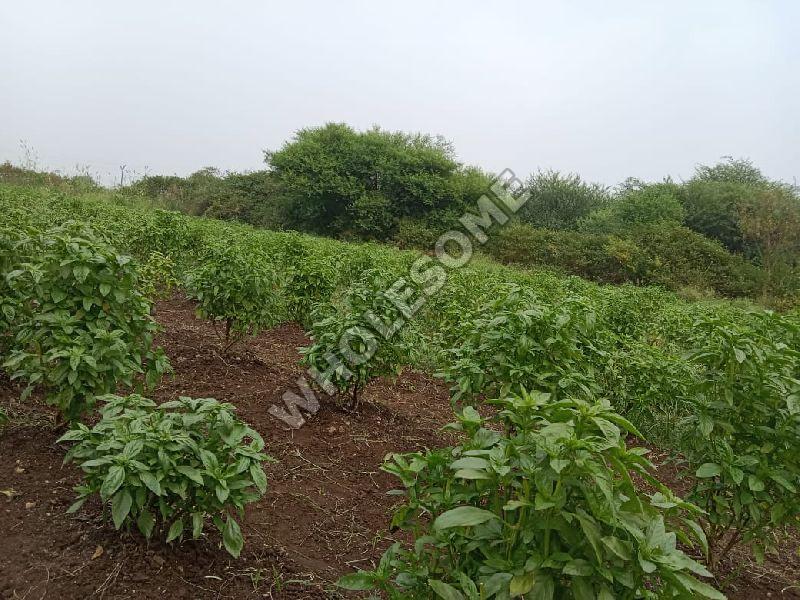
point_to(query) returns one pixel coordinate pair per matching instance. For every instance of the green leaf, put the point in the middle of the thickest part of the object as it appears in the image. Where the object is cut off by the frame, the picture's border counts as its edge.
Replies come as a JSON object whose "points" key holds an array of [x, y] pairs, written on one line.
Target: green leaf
{"points": [[73, 435], [755, 484], [191, 473], [463, 516], [259, 477], [708, 470], [120, 507], [197, 524], [77, 505], [444, 590], [521, 584], [145, 523], [232, 537], [471, 474], [617, 546], [175, 531], [699, 534], [112, 481], [222, 493], [104, 289], [544, 589], [695, 585], [578, 568], [151, 481], [362, 580]]}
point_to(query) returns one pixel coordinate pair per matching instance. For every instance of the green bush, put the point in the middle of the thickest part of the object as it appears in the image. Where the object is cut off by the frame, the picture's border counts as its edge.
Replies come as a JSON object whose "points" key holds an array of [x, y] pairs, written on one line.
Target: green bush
{"points": [[157, 276], [238, 288], [343, 334], [560, 201], [742, 435], [371, 217], [589, 255], [87, 327], [310, 279], [652, 204], [12, 254], [519, 340], [184, 462], [336, 178], [677, 257], [662, 254], [412, 233], [545, 509], [712, 210]]}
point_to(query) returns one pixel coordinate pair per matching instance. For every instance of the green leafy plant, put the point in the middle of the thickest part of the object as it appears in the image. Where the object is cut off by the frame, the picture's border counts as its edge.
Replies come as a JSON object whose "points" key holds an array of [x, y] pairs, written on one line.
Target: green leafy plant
{"points": [[87, 327], [311, 279], [346, 350], [545, 509], [520, 341], [157, 276], [742, 438], [11, 303], [238, 288], [182, 462]]}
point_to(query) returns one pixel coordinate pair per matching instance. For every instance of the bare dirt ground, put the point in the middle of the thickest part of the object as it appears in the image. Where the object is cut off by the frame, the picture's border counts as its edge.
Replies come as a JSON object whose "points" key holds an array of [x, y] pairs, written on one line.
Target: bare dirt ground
{"points": [[326, 511]]}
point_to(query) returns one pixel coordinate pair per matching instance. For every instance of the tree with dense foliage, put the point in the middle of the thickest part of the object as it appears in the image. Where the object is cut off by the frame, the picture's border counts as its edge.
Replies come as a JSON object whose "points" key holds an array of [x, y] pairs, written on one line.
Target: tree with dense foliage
{"points": [[770, 223], [731, 170], [559, 201], [339, 181], [656, 203]]}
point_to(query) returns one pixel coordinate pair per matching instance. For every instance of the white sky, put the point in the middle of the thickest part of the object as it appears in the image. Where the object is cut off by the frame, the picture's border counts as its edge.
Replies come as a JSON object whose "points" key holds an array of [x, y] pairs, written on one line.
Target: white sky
{"points": [[608, 89]]}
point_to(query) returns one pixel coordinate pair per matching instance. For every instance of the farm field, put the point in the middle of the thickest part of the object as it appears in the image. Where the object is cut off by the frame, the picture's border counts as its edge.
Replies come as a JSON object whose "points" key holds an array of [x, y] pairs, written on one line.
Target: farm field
{"points": [[556, 383], [324, 514]]}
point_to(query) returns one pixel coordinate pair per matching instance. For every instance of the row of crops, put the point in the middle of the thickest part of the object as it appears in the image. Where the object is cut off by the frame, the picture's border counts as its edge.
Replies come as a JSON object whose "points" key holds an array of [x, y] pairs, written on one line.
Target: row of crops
{"points": [[544, 498]]}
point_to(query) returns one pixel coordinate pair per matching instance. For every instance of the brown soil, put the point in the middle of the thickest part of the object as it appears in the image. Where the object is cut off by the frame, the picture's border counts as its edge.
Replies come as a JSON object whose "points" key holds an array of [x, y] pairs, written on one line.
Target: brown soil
{"points": [[325, 513]]}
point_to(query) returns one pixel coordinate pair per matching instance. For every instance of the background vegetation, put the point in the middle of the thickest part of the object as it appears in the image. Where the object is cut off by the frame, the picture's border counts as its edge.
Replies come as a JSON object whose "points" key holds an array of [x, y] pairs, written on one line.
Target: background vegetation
{"points": [[727, 231]]}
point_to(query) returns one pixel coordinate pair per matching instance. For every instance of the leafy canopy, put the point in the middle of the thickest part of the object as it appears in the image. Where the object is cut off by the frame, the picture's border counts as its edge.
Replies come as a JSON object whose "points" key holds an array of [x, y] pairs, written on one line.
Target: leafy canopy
{"points": [[339, 181]]}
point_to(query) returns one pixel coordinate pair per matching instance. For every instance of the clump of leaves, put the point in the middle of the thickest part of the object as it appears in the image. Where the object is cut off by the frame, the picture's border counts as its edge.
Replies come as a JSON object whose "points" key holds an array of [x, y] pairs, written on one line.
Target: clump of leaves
{"points": [[311, 280], [357, 339], [87, 327], [520, 339], [13, 251], [650, 384], [238, 288], [180, 463], [157, 276], [742, 439], [161, 231], [546, 509]]}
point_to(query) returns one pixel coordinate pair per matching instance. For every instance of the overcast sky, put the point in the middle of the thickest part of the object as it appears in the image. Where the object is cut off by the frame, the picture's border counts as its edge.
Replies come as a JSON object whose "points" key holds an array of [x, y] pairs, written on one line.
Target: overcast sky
{"points": [[608, 89]]}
